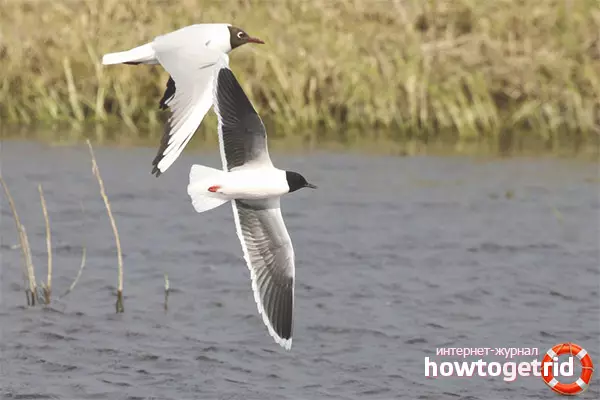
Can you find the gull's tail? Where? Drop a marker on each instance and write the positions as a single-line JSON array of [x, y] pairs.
[[203, 187], [138, 55]]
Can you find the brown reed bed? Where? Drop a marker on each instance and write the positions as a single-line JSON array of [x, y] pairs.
[[461, 71]]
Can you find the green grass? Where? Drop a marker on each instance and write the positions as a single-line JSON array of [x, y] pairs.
[[462, 72]]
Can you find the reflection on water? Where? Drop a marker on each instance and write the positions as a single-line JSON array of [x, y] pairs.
[[395, 257]]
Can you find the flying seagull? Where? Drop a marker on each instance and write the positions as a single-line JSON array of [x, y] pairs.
[[189, 55], [254, 186]]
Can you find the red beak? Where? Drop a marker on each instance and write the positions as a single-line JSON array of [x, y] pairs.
[[255, 40]]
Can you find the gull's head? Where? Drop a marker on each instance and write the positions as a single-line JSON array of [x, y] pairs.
[[296, 181], [238, 37]]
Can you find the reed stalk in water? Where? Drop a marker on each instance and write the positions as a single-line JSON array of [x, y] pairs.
[[28, 270], [81, 264], [81, 267], [48, 285], [167, 290], [31, 288], [96, 171]]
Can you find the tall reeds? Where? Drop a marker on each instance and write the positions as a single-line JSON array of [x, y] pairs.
[[28, 270], [460, 71], [48, 286], [30, 284], [96, 171], [167, 291]]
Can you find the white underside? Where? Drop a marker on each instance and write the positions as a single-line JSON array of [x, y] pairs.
[[239, 184], [257, 184]]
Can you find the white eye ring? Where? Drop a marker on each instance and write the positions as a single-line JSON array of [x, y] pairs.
[[240, 35]]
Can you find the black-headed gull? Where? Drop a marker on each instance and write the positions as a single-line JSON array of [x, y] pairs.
[[254, 186], [189, 55]]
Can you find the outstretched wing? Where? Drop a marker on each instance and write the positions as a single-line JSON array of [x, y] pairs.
[[188, 95], [242, 135], [269, 255]]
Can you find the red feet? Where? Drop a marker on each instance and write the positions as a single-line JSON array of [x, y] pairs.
[[214, 188]]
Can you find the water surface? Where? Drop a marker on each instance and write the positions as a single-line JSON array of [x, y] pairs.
[[394, 257]]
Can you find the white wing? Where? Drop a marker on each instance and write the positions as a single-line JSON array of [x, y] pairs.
[[191, 66], [269, 255]]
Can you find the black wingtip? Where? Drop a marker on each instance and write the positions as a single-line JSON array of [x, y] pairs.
[[156, 172], [164, 143], [169, 93]]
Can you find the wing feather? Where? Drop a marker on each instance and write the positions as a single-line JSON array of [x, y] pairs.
[[269, 255], [188, 96], [242, 135]]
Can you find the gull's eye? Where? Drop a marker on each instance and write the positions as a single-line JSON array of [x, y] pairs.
[[241, 35]]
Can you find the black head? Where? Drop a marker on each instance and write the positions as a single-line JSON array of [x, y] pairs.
[[238, 37], [296, 181]]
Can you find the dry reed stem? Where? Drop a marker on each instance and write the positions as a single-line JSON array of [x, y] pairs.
[[72, 90], [81, 267], [119, 305], [167, 290], [30, 270], [28, 275], [48, 286]]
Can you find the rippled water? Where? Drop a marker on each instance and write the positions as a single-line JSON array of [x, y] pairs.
[[395, 257]]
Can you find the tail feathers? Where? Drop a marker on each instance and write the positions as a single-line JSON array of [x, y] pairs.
[[201, 179], [138, 55]]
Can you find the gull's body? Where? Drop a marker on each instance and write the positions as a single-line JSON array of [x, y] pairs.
[[190, 56], [254, 186]]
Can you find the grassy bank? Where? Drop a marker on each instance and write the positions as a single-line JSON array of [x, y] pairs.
[[458, 71]]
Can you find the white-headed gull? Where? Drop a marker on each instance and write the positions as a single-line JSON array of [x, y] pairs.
[[254, 186], [189, 55]]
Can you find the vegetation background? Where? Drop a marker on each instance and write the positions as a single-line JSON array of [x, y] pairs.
[[393, 74]]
